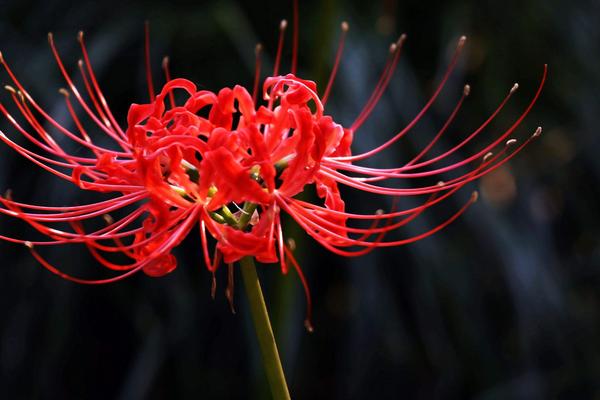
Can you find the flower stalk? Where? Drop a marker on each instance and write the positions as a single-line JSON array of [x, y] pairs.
[[264, 331]]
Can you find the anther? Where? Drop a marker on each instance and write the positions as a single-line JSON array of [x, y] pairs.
[[514, 88], [487, 156], [80, 36], [393, 48], [308, 326], [474, 196], [401, 40], [10, 89], [440, 183], [537, 132], [50, 37], [467, 90], [8, 194], [28, 244], [379, 212], [108, 219], [1, 58], [258, 48], [291, 244], [345, 26], [510, 142], [165, 62], [461, 41], [64, 92], [283, 24]]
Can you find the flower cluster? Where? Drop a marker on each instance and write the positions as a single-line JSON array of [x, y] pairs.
[[229, 163]]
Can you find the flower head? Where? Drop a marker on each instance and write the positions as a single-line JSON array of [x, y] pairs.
[[230, 163]]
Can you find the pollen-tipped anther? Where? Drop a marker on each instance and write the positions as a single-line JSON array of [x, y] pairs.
[[283, 24], [474, 196], [461, 41], [514, 88], [50, 37], [345, 27], [487, 156], [28, 244], [379, 212], [308, 326], [64, 92], [165, 61], [108, 219], [440, 183], [258, 48], [10, 89], [467, 90], [291, 243], [510, 142], [1, 58], [80, 36], [397, 44], [537, 132], [401, 40]]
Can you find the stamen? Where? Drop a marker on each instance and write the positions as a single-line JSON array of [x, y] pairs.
[[54, 270], [51, 146], [465, 141], [281, 246], [282, 26], [119, 139], [97, 89], [338, 56], [147, 58], [207, 261], [308, 320], [390, 67], [92, 96], [324, 236], [257, 67], [465, 93], [95, 149]]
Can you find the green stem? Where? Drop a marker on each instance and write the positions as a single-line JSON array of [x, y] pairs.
[[264, 332]]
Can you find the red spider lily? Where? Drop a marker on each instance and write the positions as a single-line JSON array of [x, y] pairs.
[[193, 161]]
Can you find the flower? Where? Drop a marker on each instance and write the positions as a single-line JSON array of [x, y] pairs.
[[192, 162]]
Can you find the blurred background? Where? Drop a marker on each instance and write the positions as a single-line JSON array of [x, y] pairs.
[[503, 304]]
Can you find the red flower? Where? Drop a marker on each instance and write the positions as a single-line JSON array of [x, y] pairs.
[[195, 161]]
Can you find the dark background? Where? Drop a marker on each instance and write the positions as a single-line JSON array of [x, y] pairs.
[[504, 304]]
